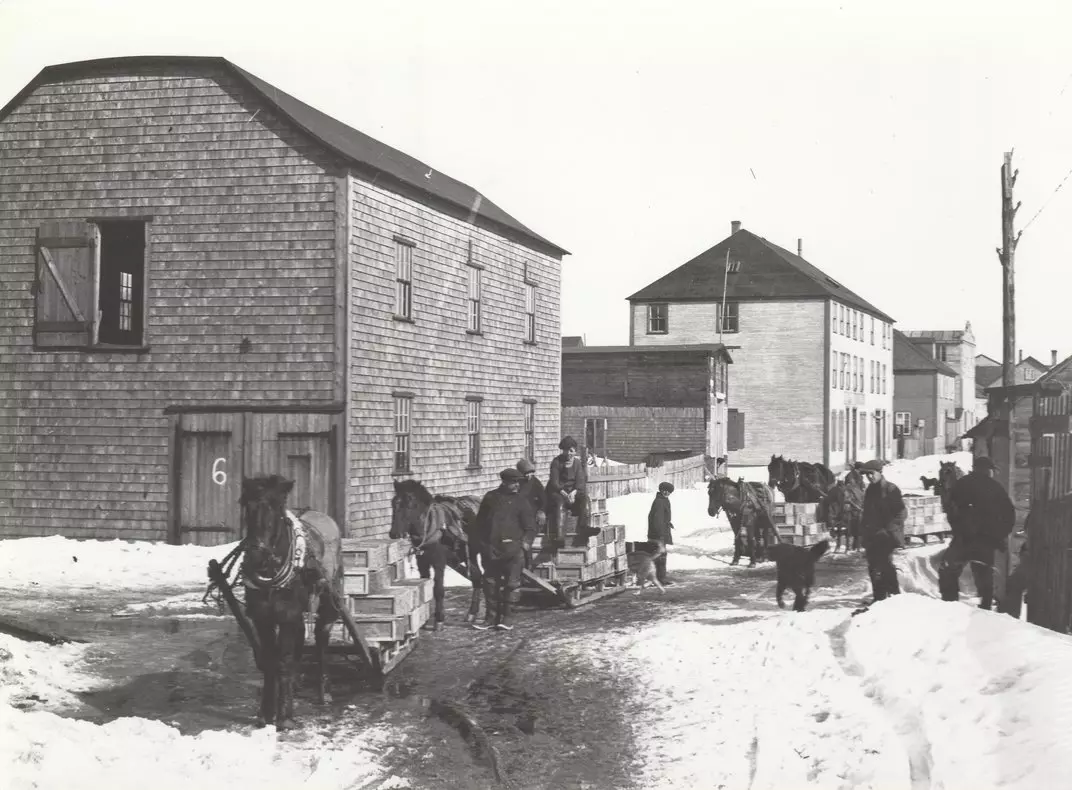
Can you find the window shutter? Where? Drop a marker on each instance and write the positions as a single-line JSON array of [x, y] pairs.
[[735, 430], [66, 285]]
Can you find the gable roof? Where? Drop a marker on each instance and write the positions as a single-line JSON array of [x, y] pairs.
[[986, 375], [1042, 368], [907, 358], [935, 335], [1056, 371], [366, 154], [983, 361], [767, 271], [572, 341]]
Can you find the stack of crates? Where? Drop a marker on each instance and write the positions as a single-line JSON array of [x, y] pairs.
[[796, 523], [925, 515], [385, 605], [582, 560]]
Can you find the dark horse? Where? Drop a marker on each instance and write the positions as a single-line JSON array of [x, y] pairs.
[[749, 508], [799, 481], [842, 508], [948, 474], [290, 567], [441, 531]]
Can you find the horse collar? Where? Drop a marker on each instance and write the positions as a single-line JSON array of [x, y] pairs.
[[294, 562]]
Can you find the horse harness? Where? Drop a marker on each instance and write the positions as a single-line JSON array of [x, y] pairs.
[[439, 518], [294, 560]]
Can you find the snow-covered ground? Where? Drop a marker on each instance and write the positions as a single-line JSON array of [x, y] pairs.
[[730, 693]]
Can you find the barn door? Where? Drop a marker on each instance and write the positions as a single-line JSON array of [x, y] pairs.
[[65, 285], [210, 478], [301, 448]]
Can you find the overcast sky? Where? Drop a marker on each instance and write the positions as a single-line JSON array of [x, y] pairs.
[[632, 133]]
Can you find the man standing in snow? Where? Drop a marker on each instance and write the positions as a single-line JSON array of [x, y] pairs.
[[659, 529], [567, 488], [981, 516], [882, 529], [506, 527]]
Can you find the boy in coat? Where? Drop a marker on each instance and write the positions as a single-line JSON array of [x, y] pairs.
[[659, 529], [882, 529], [567, 489], [981, 516], [506, 527]]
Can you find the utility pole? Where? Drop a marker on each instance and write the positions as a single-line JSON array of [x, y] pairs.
[[1006, 254]]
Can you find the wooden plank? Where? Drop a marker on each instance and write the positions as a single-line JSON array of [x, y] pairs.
[[1049, 423], [46, 255]]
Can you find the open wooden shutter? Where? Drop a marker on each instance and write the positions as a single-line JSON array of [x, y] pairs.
[[66, 285], [735, 432]]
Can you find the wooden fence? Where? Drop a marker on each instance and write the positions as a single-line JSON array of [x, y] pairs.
[[1049, 592], [610, 481]]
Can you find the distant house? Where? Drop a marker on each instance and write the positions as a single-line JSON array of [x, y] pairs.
[[924, 399], [630, 403], [1027, 369], [983, 361], [572, 341], [955, 348], [812, 371]]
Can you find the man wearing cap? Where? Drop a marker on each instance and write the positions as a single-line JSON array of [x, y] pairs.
[[981, 516], [881, 529], [532, 490], [659, 528], [505, 526], [567, 488]]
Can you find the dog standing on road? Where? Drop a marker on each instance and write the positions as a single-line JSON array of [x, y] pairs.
[[796, 570], [642, 565]]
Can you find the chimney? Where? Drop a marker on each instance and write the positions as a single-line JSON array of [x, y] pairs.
[[1021, 359], [800, 248], [735, 226], [1053, 357]]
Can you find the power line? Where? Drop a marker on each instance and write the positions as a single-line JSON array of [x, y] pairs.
[[1055, 191]]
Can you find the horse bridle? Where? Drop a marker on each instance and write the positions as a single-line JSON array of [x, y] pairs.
[[294, 535]]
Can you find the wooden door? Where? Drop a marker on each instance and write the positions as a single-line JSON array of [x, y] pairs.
[[210, 463], [301, 448]]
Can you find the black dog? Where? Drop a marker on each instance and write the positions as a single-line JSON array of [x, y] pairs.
[[796, 570]]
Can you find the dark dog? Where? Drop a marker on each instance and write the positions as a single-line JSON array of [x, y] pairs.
[[796, 570]]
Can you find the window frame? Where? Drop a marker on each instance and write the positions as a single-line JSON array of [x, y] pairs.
[[404, 278], [403, 427], [529, 429], [902, 427], [733, 312], [872, 330], [474, 301], [473, 424], [597, 425], [530, 312], [834, 371], [651, 318]]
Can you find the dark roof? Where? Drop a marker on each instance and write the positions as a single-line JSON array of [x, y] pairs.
[[982, 360], [937, 335], [766, 272], [1056, 372], [572, 341], [698, 348], [385, 163], [907, 358], [987, 375], [1034, 363]]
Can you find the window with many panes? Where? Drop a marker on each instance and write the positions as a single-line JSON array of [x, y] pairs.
[[872, 330], [595, 435], [883, 379], [854, 325], [833, 431], [403, 410], [841, 309], [530, 313], [902, 423], [530, 430], [833, 369], [472, 428], [833, 319], [403, 279], [658, 323], [473, 302], [729, 317]]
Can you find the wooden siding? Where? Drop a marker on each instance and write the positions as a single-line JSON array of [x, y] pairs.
[[777, 376], [657, 379], [242, 247], [633, 432], [437, 361]]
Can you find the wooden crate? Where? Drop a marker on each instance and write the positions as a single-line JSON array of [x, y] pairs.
[[396, 571], [423, 588], [418, 617], [363, 581], [374, 628], [576, 557], [546, 571], [364, 554], [394, 600]]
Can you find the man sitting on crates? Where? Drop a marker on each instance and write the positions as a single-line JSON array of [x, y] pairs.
[[981, 516], [506, 527], [567, 491]]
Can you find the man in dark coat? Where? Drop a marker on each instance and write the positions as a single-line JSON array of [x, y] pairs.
[[506, 527], [532, 491], [659, 529], [882, 529], [981, 516], [567, 490]]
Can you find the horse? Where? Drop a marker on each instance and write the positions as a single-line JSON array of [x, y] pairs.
[[799, 481], [948, 474], [842, 508], [748, 507], [290, 566], [441, 529]]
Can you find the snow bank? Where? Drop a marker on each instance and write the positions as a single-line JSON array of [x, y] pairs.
[[41, 750], [58, 563], [989, 696], [905, 473]]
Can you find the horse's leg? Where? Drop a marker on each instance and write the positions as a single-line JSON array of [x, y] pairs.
[[325, 617], [439, 565], [290, 632], [735, 525], [752, 542], [270, 670], [476, 578]]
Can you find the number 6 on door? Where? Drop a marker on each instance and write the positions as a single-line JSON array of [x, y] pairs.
[[219, 477]]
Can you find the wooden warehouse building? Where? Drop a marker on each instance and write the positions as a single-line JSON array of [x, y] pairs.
[[202, 278]]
